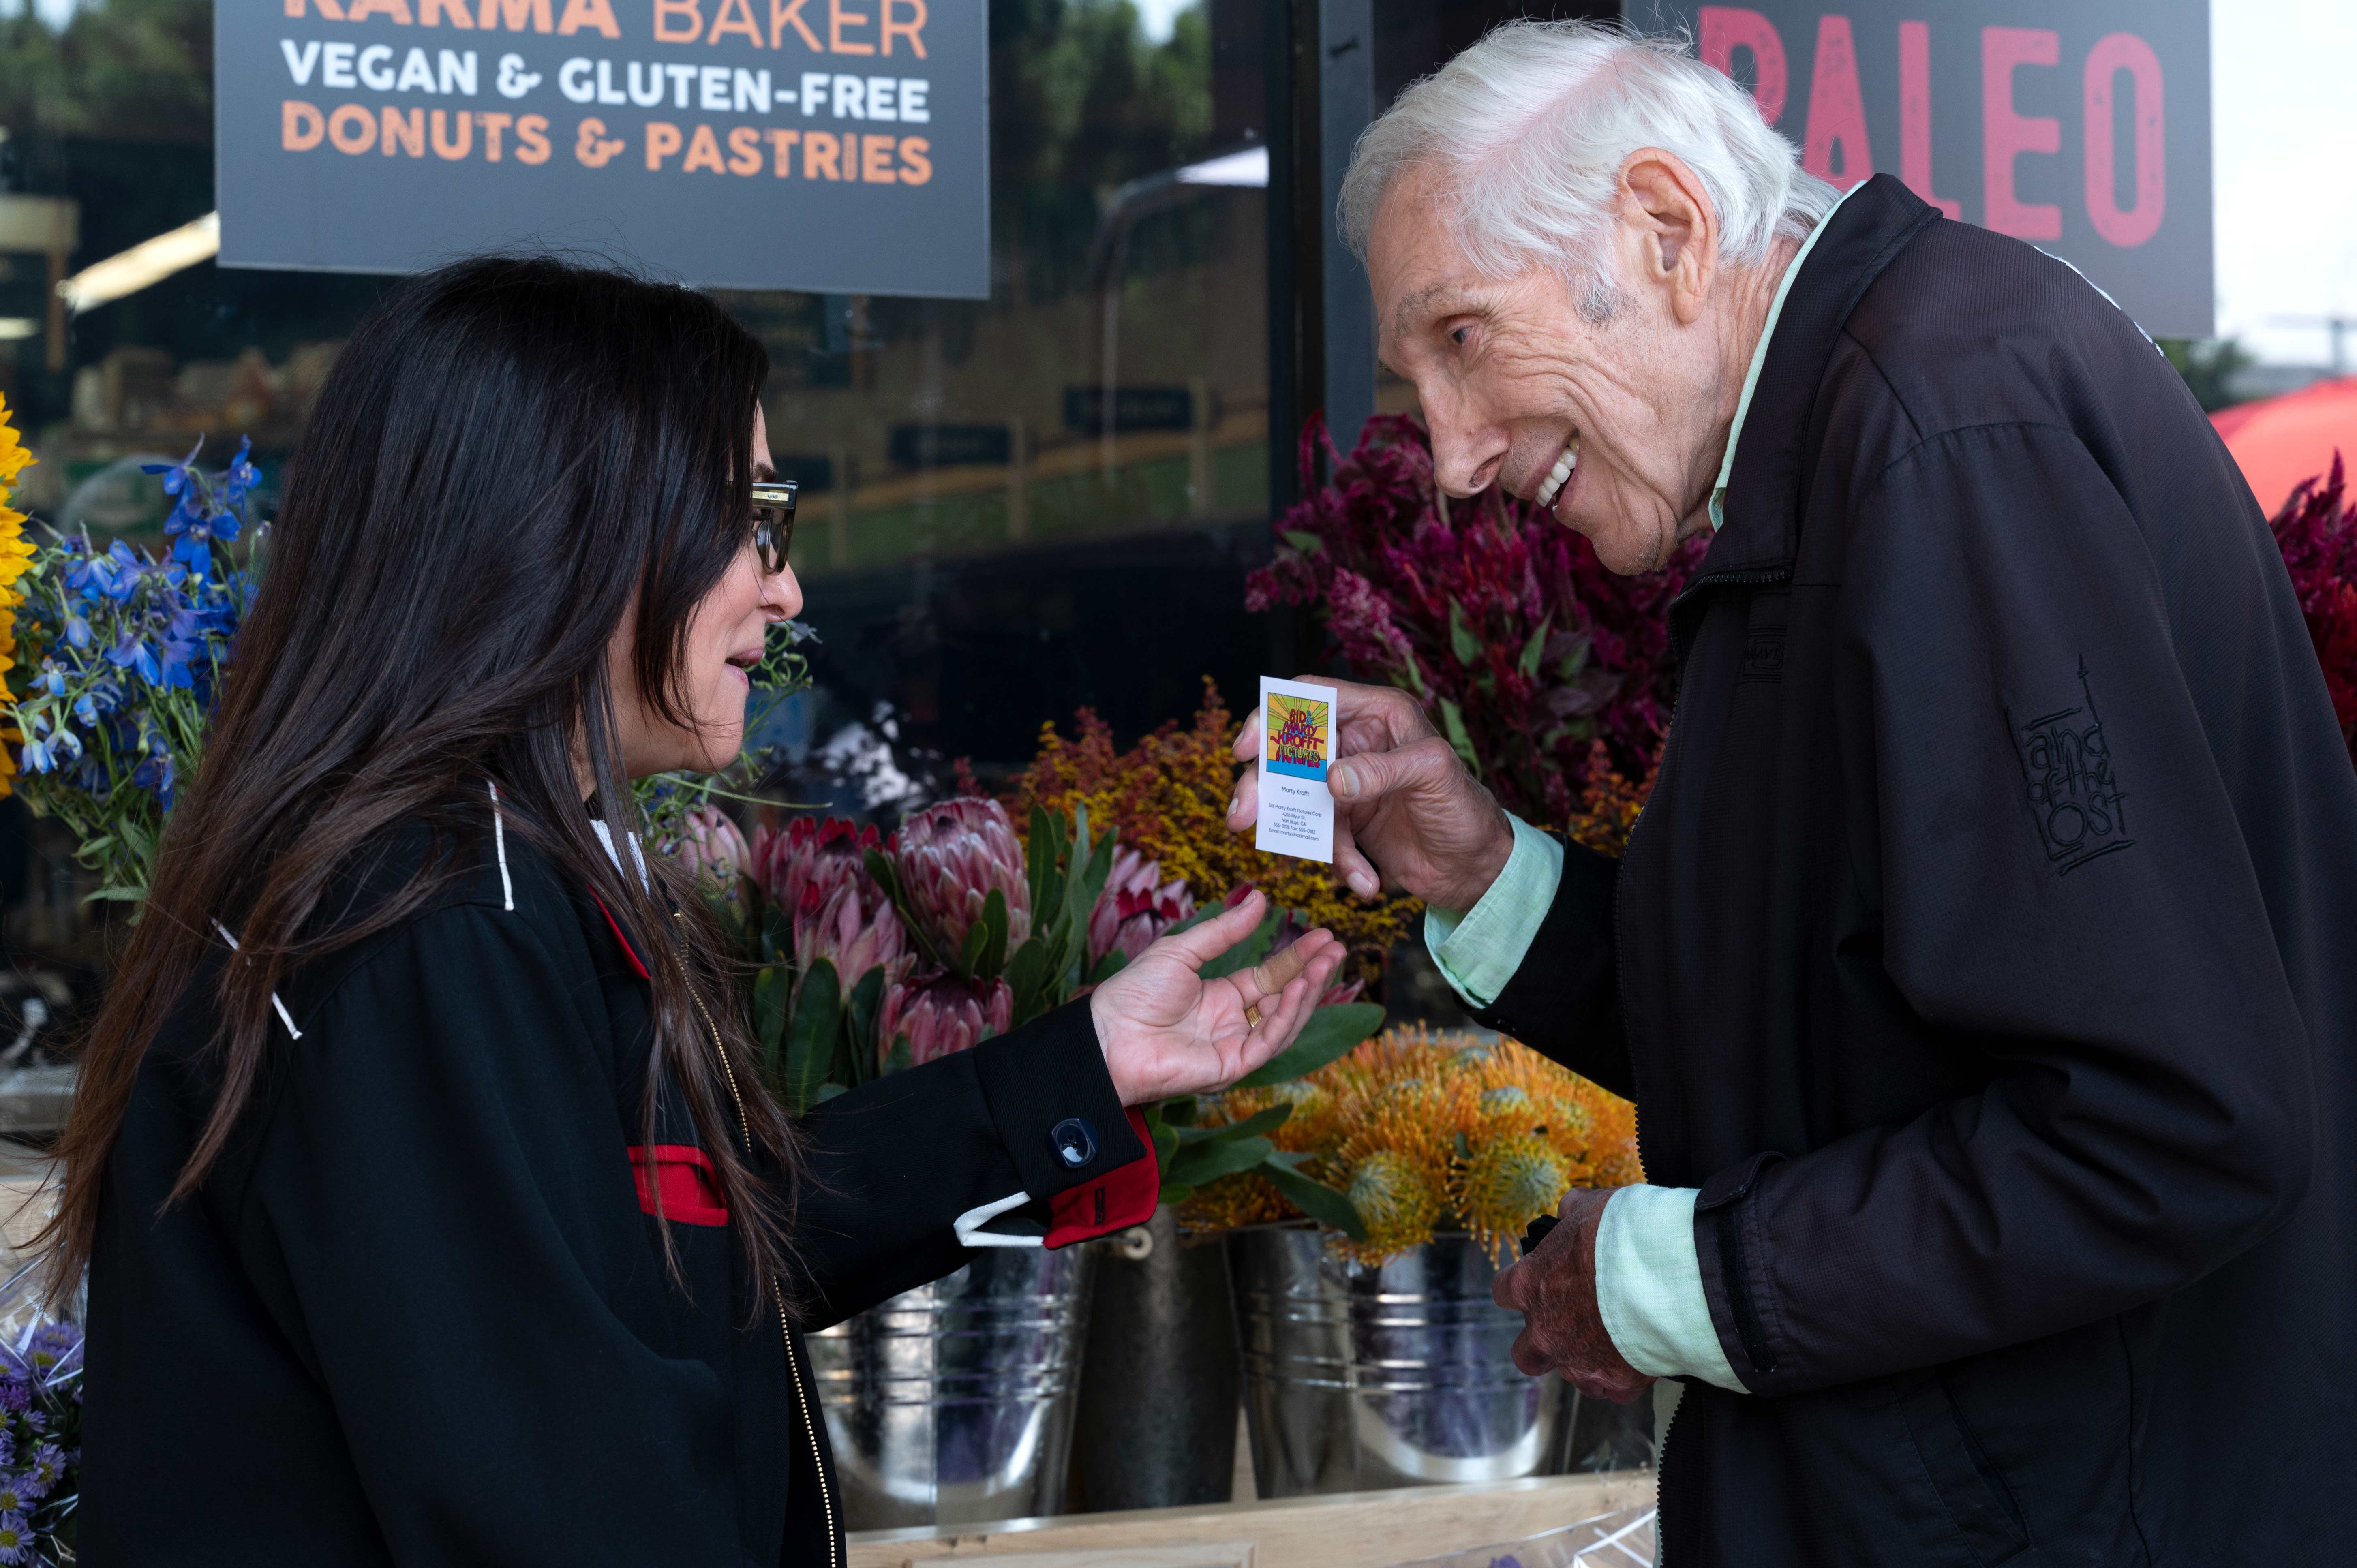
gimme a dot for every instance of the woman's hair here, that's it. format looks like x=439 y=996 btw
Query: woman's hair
x=1529 y=128
x=512 y=458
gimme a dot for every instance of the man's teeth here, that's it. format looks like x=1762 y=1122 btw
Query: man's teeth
x=1559 y=473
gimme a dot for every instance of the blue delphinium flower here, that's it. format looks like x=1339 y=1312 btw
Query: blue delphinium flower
x=16 y=1539
x=131 y=653
x=155 y=772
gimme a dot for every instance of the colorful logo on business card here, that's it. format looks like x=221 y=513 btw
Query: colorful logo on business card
x=1298 y=742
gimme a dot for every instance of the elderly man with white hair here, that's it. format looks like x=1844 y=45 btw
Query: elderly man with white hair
x=1985 y=964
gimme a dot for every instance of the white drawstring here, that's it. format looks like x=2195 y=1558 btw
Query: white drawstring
x=500 y=842
x=284 y=1016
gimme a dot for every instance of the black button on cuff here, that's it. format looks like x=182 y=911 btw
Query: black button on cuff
x=1075 y=1141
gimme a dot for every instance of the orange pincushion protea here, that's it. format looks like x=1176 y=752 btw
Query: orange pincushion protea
x=1428 y=1133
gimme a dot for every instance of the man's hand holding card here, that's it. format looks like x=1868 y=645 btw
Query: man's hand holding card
x=1400 y=806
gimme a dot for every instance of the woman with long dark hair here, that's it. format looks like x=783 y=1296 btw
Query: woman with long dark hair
x=432 y=1207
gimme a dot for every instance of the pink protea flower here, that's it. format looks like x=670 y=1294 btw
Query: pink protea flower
x=950 y=857
x=710 y=843
x=1132 y=910
x=942 y=1015
x=855 y=929
x=807 y=854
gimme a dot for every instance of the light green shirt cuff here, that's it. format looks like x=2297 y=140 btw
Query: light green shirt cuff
x=1649 y=1286
x=1478 y=952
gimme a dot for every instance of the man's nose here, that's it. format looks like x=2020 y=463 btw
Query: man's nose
x=1466 y=456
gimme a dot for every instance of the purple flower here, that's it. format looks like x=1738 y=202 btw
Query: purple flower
x=856 y=931
x=710 y=843
x=131 y=653
x=810 y=856
x=13 y=1497
x=15 y=1539
x=942 y=1016
x=1132 y=910
x=46 y=1469
x=949 y=857
x=54 y=1348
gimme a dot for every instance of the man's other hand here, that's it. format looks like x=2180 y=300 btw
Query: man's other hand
x=1555 y=1290
x=1405 y=809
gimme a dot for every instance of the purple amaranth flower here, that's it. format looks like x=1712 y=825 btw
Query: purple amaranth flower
x=1132 y=910
x=16 y=1539
x=806 y=854
x=950 y=857
x=710 y=843
x=856 y=930
x=942 y=1015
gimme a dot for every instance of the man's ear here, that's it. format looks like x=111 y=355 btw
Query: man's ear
x=1666 y=210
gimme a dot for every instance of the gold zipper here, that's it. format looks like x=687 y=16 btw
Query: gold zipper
x=776 y=1293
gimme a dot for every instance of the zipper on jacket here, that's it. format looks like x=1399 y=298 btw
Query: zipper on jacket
x=776 y=1295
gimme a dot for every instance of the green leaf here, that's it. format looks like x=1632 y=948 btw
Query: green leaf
x=1041 y=858
x=1268 y=1120
x=811 y=1034
x=1452 y=721
x=1027 y=977
x=994 y=947
x=1174 y=1196
x=1461 y=640
x=828 y=1091
x=1180 y=1110
x=1199 y=1164
x=1307 y=542
x=859 y=1020
x=1316 y=1200
x=1415 y=673
x=888 y=879
x=1112 y=964
x=1330 y=1032
x=969 y=956
x=1572 y=663
x=898 y=1059
x=1534 y=649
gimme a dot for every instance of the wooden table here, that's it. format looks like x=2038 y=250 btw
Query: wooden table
x=1347 y=1529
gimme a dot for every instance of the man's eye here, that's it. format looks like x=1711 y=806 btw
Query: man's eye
x=1459 y=335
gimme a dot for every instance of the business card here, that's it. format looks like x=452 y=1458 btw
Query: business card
x=1297 y=746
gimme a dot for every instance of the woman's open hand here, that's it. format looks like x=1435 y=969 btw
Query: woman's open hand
x=1166 y=1030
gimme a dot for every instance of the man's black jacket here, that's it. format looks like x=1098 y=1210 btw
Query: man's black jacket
x=1988 y=953
x=419 y=1313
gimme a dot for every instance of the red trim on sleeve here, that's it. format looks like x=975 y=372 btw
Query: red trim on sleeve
x=1116 y=1200
x=637 y=966
x=683 y=1174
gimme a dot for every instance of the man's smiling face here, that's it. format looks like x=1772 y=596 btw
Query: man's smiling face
x=1616 y=425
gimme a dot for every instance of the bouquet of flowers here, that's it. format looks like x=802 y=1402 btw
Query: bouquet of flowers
x=40 y=1426
x=115 y=660
x=1524 y=646
x=2317 y=530
x=1423 y=1133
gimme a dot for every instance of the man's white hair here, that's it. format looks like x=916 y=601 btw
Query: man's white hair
x=1527 y=132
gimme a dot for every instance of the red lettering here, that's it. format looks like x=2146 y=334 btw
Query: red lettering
x=333 y=10
x=516 y=14
x=913 y=32
x=784 y=141
x=1727 y=29
x=494 y=126
x=407 y=130
x=301 y=127
x=531 y=139
x=580 y=14
x=352 y=129
x=838 y=19
x=663 y=140
x=819 y=149
x=2007 y=134
x=875 y=159
x=2114 y=53
x=704 y=151
x=1915 y=116
x=363 y=9
x=1836 y=108
x=431 y=12
x=742 y=10
x=665 y=10
x=745 y=150
x=916 y=169
x=784 y=14
x=448 y=149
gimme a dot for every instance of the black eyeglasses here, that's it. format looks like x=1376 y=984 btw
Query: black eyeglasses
x=773 y=524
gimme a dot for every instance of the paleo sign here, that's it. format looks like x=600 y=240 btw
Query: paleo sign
x=2082 y=128
x=836 y=147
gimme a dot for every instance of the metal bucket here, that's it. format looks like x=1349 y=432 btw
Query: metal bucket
x=952 y=1403
x=1360 y=1377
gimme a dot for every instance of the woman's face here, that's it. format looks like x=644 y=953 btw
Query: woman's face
x=723 y=642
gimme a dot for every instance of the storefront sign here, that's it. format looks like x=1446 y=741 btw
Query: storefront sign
x=836 y=147
x=2083 y=129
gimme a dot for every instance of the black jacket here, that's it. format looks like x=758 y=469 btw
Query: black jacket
x=1988 y=953
x=419 y=1313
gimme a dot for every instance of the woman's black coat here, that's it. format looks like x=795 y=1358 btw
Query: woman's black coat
x=418 y=1314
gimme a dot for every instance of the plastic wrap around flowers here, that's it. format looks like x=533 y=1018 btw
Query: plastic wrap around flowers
x=118 y=662
x=40 y=1427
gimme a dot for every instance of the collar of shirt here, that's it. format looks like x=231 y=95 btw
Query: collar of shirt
x=1759 y=357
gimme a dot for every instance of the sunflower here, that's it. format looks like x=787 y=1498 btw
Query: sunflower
x=16 y=560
